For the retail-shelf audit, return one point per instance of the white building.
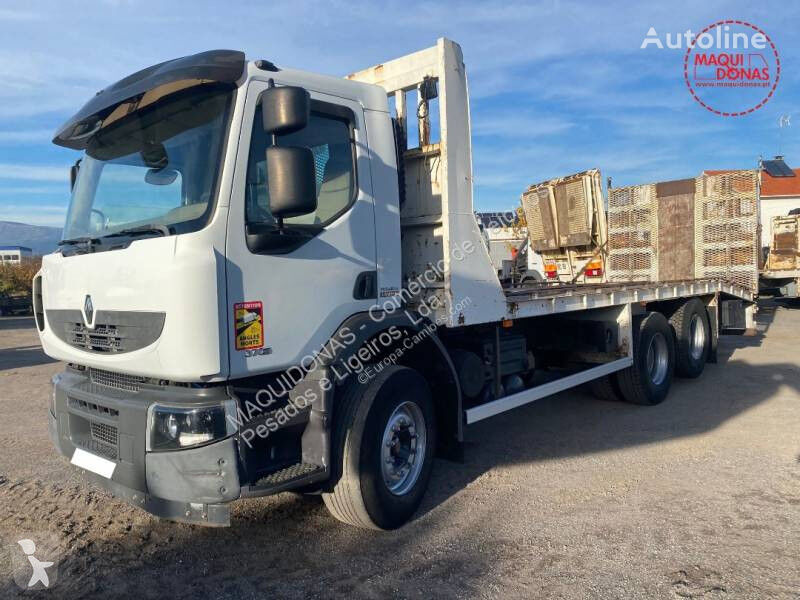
(14, 254)
(779, 195)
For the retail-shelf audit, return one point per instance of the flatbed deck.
(788, 274)
(537, 299)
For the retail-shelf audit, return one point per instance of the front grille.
(103, 433)
(115, 331)
(103, 338)
(92, 407)
(87, 431)
(118, 381)
(99, 448)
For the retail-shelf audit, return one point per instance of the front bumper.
(193, 485)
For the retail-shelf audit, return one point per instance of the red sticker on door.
(248, 318)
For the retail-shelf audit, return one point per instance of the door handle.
(366, 286)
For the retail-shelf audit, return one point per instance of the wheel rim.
(697, 337)
(657, 359)
(403, 448)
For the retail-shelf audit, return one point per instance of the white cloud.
(34, 190)
(53, 215)
(496, 180)
(26, 136)
(516, 123)
(34, 172)
(10, 14)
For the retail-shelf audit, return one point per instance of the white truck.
(566, 225)
(261, 289)
(782, 267)
(506, 240)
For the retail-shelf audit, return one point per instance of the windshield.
(156, 166)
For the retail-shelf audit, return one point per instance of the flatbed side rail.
(530, 302)
(775, 274)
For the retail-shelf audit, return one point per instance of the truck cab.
(170, 222)
(179, 274)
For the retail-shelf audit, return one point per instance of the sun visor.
(147, 86)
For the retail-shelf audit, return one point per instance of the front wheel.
(384, 441)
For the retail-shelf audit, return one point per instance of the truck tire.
(384, 441)
(605, 388)
(648, 380)
(692, 338)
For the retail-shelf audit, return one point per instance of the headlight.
(173, 427)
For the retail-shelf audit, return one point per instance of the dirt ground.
(569, 497)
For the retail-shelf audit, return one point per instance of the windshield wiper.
(89, 241)
(141, 229)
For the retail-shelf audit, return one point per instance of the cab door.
(285, 302)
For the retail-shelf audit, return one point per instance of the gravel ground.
(569, 497)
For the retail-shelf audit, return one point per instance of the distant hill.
(39, 238)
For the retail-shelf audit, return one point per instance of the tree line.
(18, 278)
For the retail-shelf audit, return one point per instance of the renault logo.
(88, 310)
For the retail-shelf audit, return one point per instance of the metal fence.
(632, 233)
(726, 228)
(673, 231)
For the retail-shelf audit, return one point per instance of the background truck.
(566, 225)
(669, 231)
(212, 188)
(506, 239)
(13, 303)
(782, 267)
(706, 227)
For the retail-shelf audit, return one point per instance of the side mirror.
(73, 174)
(285, 109)
(292, 181)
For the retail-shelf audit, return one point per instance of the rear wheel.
(648, 380)
(384, 441)
(692, 337)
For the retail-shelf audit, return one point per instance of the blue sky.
(556, 87)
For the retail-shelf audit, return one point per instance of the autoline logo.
(731, 67)
(721, 39)
(32, 561)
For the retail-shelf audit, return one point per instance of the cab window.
(330, 139)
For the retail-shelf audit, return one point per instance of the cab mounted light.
(266, 65)
(86, 129)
